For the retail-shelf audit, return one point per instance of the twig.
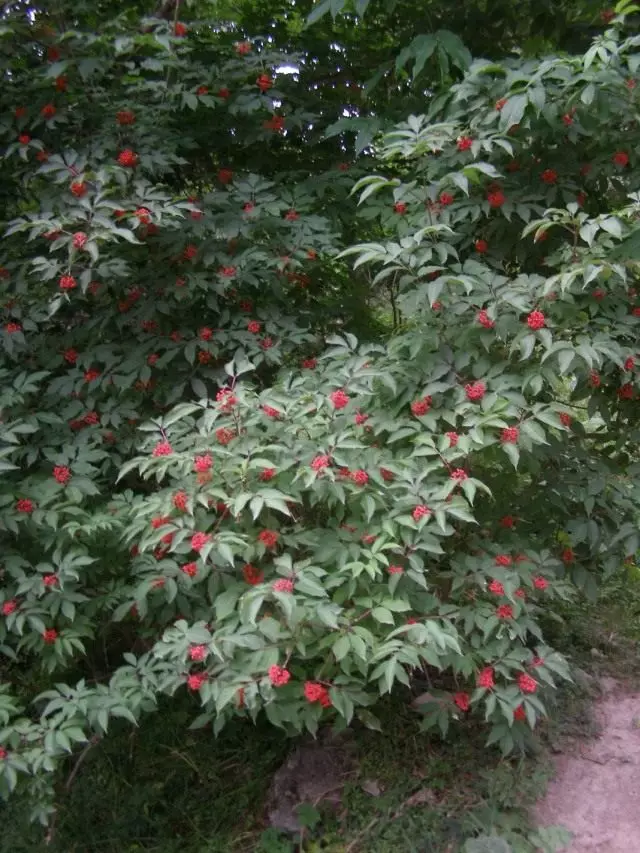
(52, 828)
(94, 740)
(361, 835)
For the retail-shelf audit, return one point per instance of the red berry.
(549, 176)
(481, 246)
(475, 391)
(339, 399)
(496, 198)
(162, 448)
(536, 320)
(360, 478)
(320, 462)
(275, 123)
(224, 435)
(464, 143)
(48, 111)
(195, 682)
(459, 474)
(203, 463)
(421, 511)
(278, 676)
(526, 683)
(486, 677)
(189, 569)
(124, 117)
(621, 158)
(252, 575)
(421, 407)
(180, 29)
(510, 435)
(67, 282)
(199, 540)
(269, 538)
(198, 653)
(315, 692)
(484, 319)
(264, 83)
(62, 474)
(128, 158)
(180, 501)
(462, 700)
(400, 208)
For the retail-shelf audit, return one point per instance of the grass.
(163, 789)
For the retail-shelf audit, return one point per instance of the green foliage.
(211, 482)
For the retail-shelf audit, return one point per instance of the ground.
(164, 789)
(596, 787)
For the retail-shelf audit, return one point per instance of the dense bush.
(209, 482)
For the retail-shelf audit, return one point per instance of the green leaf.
(512, 452)
(341, 647)
(319, 11)
(487, 844)
(513, 111)
(381, 614)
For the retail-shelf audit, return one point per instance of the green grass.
(163, 789)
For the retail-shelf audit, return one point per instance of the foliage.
(210, 481)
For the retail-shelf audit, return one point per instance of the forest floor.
(162, 788)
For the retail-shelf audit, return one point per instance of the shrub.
(208, 474)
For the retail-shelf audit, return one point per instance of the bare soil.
(596, 790)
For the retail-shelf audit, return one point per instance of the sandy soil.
(596, 790)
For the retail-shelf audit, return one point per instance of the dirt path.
(596, 791)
